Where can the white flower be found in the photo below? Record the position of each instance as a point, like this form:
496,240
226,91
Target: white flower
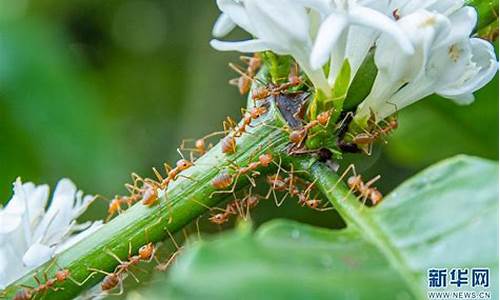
349,30
340,29
446,61
30,235
282,26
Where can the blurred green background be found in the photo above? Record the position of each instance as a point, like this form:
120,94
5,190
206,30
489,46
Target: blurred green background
94,90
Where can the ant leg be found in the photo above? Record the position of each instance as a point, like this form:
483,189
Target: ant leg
27,286
136,178
188,177
37,280
197,222
239,71
80,283
133,275
350,168
114,256
158,175
307,191
282,200
324,208
372,181
95,271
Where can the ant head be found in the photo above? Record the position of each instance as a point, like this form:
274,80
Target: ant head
183,164
114,205
375,196
62,275
218,218
296,136
314,203
146,251
256,112
266,159
323,118
200,143
353,181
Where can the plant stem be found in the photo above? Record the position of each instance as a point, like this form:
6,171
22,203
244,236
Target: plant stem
355,214
140,224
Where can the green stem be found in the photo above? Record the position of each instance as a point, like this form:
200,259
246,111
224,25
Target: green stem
139,224
355,214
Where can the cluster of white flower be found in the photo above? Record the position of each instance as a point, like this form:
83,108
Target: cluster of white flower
421,46
30,234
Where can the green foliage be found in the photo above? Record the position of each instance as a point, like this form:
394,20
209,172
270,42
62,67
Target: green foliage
384,252
361,83
278,66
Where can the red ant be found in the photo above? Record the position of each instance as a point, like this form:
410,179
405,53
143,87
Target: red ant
364,190
172,173
313,203
115,206
224,179
200,146
228,144
365,140
112,279
236,207
27,292
298,136
274,90
244,81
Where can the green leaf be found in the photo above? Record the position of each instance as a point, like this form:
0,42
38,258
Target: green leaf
283,260
362,82
446,216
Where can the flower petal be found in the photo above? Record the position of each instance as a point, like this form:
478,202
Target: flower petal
241,46
78,237
9,222
223,26
329,32
59,215
279,22
374,19
37,254
237,13
484,60
464,21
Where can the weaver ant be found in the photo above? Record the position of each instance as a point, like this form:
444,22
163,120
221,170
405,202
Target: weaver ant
366,139
245,80
264,92
296,137
115,205
200,146
27,292
312,203
225,179
112,279
228,143
365,190
236,207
